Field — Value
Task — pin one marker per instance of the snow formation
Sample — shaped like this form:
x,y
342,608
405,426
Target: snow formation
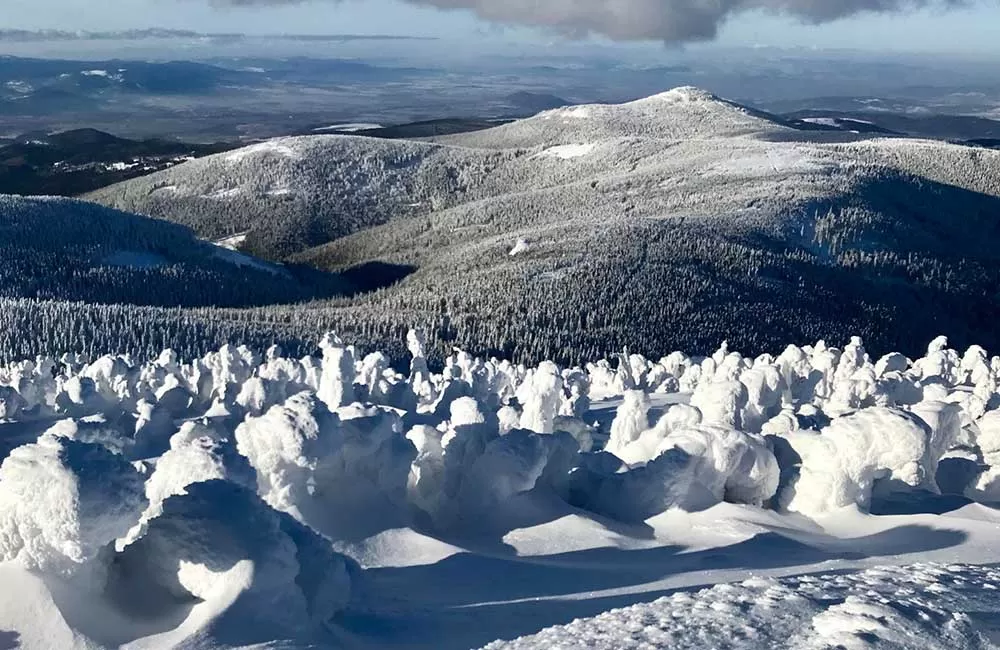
x,y
221,488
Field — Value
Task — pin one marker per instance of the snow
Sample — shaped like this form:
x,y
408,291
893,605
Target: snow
x,y
224,194
813,499
569,151
22,87
824,121
683,94
350,127
280,147
835,121
924,606
521,246
229,254
62,501
575,112
233,242
774,159
122,166
841,464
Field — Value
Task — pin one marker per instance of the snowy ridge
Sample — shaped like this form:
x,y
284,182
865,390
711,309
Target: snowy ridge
x,y
245,498
380,177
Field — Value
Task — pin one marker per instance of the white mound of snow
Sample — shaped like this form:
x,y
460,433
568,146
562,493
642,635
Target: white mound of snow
x,y
841,465
285,446
573,112
63,501
775,159
255,569
683,94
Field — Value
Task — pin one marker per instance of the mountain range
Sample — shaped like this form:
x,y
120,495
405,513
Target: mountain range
x,y
675,221
31,36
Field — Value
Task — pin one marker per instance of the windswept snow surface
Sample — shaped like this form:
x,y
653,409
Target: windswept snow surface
x,y
924,606
818,498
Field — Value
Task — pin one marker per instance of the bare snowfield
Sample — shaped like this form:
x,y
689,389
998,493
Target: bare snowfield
x,y
568,151
349,127
266,148
814,499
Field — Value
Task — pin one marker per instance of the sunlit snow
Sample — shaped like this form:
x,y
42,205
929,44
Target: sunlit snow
x,y
232,242
269,147
349,127
521,246
224,194
250,498
567,151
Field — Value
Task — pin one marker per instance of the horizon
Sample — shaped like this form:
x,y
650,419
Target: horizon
x,y
970,29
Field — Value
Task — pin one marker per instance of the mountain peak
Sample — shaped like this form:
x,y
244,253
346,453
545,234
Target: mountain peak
x,y
683,94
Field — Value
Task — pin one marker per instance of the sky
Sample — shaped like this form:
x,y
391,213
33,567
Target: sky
x,y
972,29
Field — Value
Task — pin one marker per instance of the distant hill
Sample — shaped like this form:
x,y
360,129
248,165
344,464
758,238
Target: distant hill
x,y
72,162
532,102
62,249
989,143
411,130
29,36
920,125
670,222
32,81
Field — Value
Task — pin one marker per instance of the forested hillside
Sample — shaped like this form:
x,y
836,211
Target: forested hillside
x,y
63,249
674,221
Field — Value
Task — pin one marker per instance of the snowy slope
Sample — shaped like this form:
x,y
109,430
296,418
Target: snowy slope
x,y
291,194
294,193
